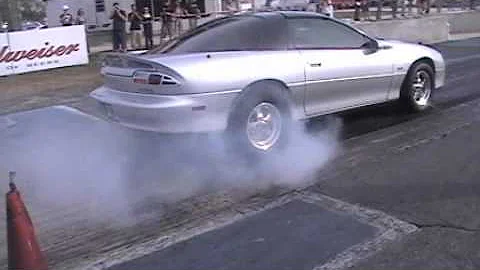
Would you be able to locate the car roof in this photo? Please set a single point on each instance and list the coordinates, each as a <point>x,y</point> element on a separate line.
<point>284,14</point>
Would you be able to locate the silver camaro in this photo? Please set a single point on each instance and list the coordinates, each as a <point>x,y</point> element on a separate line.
<point>252,74</point>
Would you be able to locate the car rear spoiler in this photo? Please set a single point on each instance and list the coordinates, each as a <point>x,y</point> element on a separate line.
<point>125,65</point>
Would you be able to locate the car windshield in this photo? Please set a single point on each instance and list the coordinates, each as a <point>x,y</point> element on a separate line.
<point>235,33</point>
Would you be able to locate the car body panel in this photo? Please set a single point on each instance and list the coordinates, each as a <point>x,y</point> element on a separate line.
<point>347,79</point>
<point>167,113</point>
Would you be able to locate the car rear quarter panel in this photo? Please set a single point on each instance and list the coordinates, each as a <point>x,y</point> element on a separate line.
<point>235,71</point>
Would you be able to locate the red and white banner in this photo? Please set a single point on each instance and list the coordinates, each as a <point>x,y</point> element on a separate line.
<point>40,49</point>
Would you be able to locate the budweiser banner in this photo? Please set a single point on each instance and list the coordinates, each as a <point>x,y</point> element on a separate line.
<point>33,50</point>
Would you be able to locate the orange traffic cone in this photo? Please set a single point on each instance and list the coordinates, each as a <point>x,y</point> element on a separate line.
<point>23,249</point>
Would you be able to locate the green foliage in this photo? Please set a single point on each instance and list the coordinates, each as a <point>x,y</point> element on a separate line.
<point>31,10</point>
<point>18,11</point>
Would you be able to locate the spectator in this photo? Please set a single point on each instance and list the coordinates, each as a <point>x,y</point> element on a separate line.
<point>148,27</point>
<point>166,30</point>
<point>194,15</point>
<point>135,20</point>
<point>179,15</point>
<point>402,6</point>
<point>394,5</point>
<point>119,18</point>
<point>427,6</point>
<point>410,5</point>
<point>423,6</point>
<point>356,13</point>
<point>329,8</point>
<point>365,10</point>
<point>66,18</point>
<point>80,20</point>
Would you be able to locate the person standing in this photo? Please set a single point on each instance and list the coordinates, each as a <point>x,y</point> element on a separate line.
<point>66,18</point>
<point>194,15</point>
<point>148,27</point>
<point>329,10</point>
<point>402,6</point>
<point>365,10</point>
<point>394,5</point>
<point>135,20</point>
<point>166,30</point>
<point>119,18</point>
<point>80,20</point>
<point>358,8</point>
<point>179,15</point>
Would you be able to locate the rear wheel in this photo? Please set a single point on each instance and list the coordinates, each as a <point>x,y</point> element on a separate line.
<point>417,88</point>
<point>259,123</point>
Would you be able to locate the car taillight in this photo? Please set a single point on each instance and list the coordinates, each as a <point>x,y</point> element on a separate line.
<point>147,78</point>
<point>142,77</point>
<point>154,79</point>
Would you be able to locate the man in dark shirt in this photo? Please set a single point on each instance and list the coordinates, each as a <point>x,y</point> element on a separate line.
<point>66,18</point>
<point>135,20</point>
<point>119,18</point>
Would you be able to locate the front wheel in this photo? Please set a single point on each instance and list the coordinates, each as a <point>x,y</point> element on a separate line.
<point>418,87</point>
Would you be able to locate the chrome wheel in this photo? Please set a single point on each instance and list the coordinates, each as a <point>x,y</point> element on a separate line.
<point>421,88</point>
<point>264,126</point>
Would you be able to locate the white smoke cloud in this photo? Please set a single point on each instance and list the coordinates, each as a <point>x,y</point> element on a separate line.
<point>66,160</point>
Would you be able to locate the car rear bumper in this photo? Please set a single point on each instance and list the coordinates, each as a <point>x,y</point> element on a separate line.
<point>167,113</point>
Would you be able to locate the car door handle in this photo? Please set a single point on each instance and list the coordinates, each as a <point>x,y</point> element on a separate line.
<point>316,64</point>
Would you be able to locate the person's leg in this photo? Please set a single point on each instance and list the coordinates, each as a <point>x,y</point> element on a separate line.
<point>133,45</point>
<point>145,34</point>
<point>169,29</point>
<point>150,37</point>
<point>123,38</point>
<point>138,38</point>
<point>190,23</point>
<point>115,41</point>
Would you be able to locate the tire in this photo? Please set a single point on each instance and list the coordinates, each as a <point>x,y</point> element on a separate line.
<point>418,87</point>
<point>260,120</point>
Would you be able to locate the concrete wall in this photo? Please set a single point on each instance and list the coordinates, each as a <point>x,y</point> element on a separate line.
<point>467,22</point>
<point>426,30</point>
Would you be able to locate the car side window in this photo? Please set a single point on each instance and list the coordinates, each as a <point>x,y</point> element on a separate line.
<point>230,35</point>
<point>322,33</point>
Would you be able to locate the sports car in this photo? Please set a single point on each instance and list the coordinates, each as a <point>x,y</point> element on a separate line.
<point>253,74</point>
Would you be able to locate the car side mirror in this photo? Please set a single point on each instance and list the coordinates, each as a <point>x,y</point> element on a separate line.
<point>371,46</point>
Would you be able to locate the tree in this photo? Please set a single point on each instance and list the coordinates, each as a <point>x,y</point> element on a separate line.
<point>18,11</point>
